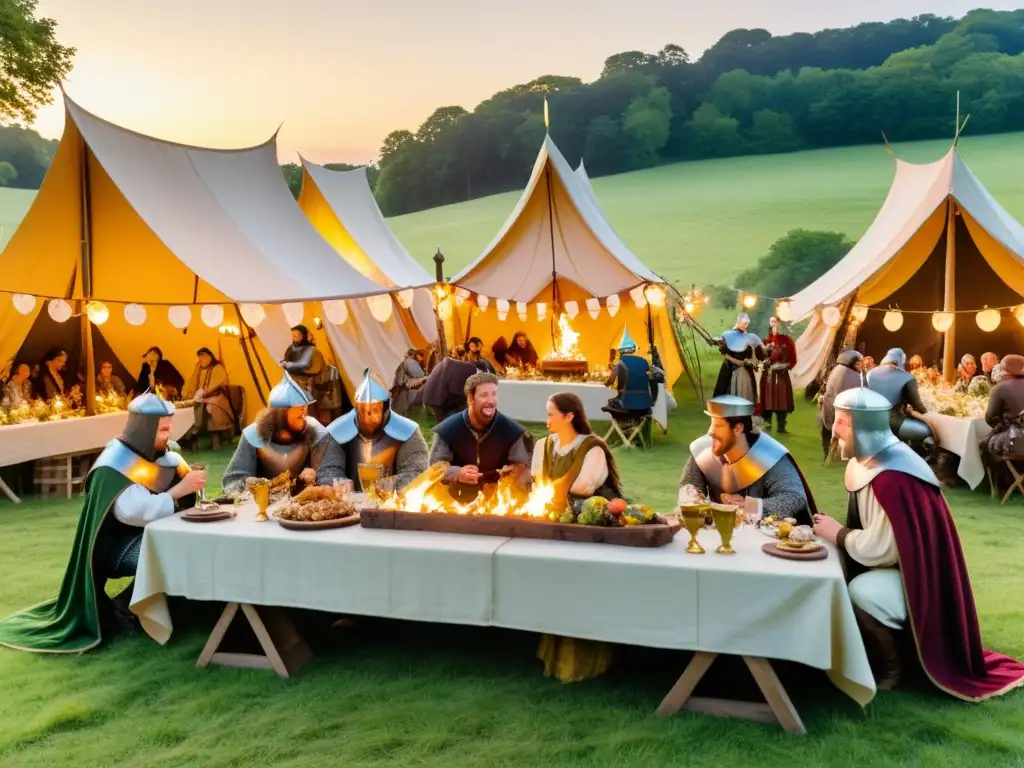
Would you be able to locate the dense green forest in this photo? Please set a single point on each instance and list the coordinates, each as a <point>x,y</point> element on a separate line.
<point>24,157</point>
<point>751,92</point>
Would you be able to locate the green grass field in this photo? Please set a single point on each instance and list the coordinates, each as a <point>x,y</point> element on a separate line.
<point>402,695</point>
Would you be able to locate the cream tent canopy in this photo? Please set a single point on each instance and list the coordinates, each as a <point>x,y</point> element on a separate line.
<point>557,247</point>
<point>341,206</point>
<point>125,218</point>
<point>940,242</point>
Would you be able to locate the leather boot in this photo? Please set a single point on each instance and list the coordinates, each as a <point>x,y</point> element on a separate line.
<point>883,650</point>
<point>124,620</point>
<point>782,423</point>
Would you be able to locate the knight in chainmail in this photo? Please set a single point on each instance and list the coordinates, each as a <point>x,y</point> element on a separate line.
<point>742,351</point>
<point>372,434</point>
<point>284,438</point>
<point>893,382</point>
<point>732,464</point>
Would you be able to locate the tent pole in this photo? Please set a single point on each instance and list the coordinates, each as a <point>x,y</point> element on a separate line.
<point>87,350</point>
<point>442,341</point>
<point>556,299</point>
<point>949,298</point>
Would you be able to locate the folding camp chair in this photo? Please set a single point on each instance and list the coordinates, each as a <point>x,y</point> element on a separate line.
<point>629,426</point>
<point>1013,464</point>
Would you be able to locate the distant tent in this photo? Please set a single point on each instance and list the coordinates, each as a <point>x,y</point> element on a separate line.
<point>341,206</point>
<point>166,224</point>
<point>901,262</point>
<point>558,246</point>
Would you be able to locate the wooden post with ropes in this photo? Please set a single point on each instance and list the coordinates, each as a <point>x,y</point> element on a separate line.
<point>86,234</point>
<point>949,297</point>
<point>442,342</point>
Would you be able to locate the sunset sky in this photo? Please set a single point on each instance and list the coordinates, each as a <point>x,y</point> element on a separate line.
<point>342,74</point>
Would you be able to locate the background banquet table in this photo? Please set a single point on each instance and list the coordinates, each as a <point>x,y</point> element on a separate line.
<point>527,400</point>
<point>961,436</point>
<point>745,604</point>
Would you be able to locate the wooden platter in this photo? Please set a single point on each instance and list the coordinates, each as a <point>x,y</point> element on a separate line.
<point>653,535</point>
<point>318,525</point>
<point>210,515</point>
<point>775,551</point>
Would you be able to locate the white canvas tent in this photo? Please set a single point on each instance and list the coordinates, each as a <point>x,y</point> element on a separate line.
<point>341,206</point>
<point>940,242</point>
<point>124,218</point>
<point>558,246</point>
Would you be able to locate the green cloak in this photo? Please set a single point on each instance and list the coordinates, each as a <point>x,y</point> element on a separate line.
<point>71,623</point>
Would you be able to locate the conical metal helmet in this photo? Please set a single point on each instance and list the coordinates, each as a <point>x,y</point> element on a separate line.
<point>150,404</point>
<point>627,344</point>
<point>869,414</point>
<point>371,389</point>
<point>288,394</point>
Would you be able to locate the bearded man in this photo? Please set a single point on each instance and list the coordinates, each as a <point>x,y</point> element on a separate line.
<point>742,350</point>
<point>284,438</point>
<point>734,465</point>
<point>372,433</point>
<point>134,482</point>
<point>480,444</point>
<point>907,575</point>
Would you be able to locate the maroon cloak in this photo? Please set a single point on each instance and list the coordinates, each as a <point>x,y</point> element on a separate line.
<point>776,386</point>
<point>940,603</point>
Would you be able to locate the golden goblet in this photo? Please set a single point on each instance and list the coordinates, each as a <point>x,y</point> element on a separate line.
<point>724,516</point>
<point>369,474</point>
<point>260,489</point>
<point>693,521</point>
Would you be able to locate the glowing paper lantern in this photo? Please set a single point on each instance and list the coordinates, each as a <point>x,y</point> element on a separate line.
<point>1018,312</point>
<point>893,320</point>
<point>612,303</point>
<point>783,310</point>
<point>572,308</point>
<point>988,319</point>
<point>336,311</point>
<point>180,316</point>
<point>252,314</point>
<point>502,306</point>
<point>293,313</point>
<point>859,313</point>
<point>482,303</point>
<point>593,307</point>
<point>380,306</point>
<point>655,296</point>
<point>405,297</point>
<point>831,316</point>
<point>23,303</point>
<point>212,315</point>
<point>503,316</point>
<point>942,321</point>
<point>461,294</point>
<point>748,300</point>
<point>637,295</point>
<point>59,310</point>
<point>542,310</point>
<point>134,314</point>
<point>97,312</point>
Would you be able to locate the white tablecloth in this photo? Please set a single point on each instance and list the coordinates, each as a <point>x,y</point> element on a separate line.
<point>42,439</point>
<point>747,603</point>
<point>528,400</point>
<point>962,437</point>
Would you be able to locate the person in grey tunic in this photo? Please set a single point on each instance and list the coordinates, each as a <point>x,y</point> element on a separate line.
<point>284,438</point>
<point>732,464</point>
<point>372,433</point>
<point>893,382</point>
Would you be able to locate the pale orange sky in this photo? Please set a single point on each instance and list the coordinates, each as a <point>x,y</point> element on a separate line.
<point>342,74</point>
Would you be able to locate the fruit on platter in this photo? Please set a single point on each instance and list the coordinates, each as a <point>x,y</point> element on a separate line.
<point>617,506</point>
<point>592,511</point>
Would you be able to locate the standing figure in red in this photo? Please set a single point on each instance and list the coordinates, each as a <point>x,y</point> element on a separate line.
<point>907,576</point>
<point>776,387</point>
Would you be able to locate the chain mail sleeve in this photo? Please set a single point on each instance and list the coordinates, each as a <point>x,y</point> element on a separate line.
<point>693,476</point>
<point>411,460</point>
<point>327,458</point>
<point>784,494</point>
<point>241,467</point>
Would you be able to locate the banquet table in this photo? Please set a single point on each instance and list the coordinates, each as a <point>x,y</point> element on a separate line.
<point>961,436</point>
<point>525,400</point>
<point>34,440</point>
<point>749,604</point>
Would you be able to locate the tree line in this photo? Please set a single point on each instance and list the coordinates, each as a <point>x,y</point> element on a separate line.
<point>750,93</point>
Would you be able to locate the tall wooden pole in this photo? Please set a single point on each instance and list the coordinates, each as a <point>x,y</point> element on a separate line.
<point>87,349</point>
<point>949,298</point>
<point>442,341</point>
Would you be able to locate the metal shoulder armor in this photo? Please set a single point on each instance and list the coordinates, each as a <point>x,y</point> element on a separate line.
<point>344,428</point>
<point>400,428</point>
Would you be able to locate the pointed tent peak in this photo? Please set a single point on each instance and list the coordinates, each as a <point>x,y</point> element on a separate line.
<point>627,344</point>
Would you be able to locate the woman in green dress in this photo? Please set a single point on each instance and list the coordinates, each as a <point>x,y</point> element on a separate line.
<point>580,465</point>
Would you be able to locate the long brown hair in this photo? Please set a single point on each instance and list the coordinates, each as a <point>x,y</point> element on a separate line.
<point>566,403</point>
